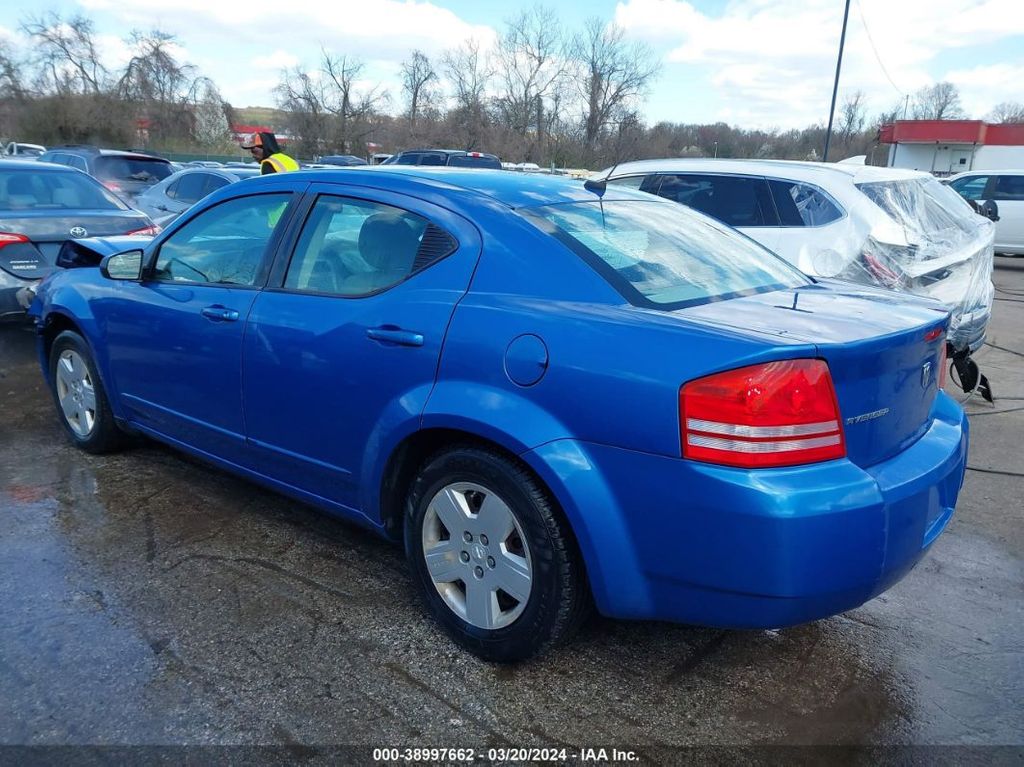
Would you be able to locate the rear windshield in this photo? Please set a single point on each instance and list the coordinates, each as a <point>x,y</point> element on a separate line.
<point>54,190</point>
<point>923,206</point>
<point>115,168</point>
<point>665,255</point>
<point>468,161</point>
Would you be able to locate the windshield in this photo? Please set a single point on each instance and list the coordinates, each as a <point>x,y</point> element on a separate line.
<point>144,169</point>
<point>664,255</point>
<point>469,161</point>
<point>50,190</point>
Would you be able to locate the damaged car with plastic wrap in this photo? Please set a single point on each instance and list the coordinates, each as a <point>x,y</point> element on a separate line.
<point>898,229</point>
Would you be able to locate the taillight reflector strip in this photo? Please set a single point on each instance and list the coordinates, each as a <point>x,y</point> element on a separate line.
<point>774,414</point>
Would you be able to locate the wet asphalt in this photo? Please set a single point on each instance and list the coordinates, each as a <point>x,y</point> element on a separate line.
<point>149,599</point>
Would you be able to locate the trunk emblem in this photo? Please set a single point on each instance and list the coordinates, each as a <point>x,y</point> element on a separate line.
<point>926,374</point>
<point>867,416</point>
<point>78,231</point>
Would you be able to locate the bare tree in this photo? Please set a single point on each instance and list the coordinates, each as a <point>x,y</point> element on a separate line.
<point>418,77</point>
<point>1007,112</point>
<point>530,57</point>
<point>852,115</point>
<point>66,54</point>
<point>469,71</point>
<point>326,108</point>
<point>612,74</point>
<point>162,87</point>
<point>938,102</point>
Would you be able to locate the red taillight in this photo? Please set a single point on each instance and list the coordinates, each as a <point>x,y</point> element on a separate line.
<point>152,229</point>
<point>10,238</point>
<point>774,414</point>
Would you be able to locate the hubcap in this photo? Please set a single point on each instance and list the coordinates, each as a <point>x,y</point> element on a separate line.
<point>477,555</point>
<point>76,393</point>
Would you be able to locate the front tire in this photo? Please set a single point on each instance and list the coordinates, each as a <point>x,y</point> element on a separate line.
<point>80,397</point>
<point>494,562</point>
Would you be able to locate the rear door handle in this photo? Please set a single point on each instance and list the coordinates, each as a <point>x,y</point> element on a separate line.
<point>389,334</point>
<point>220,314</point>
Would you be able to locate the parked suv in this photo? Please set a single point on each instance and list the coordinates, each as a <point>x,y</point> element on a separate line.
<point>450,157</point>
<point>899,229</point>
<point>128,174</point>
<point>1006,188</point>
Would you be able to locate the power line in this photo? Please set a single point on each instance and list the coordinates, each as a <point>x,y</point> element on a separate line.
<point>864,23</point>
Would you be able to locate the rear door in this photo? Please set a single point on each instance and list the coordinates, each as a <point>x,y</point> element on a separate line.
<point>175,338</point>
<point>347,343</point>
<point>1008,192</point>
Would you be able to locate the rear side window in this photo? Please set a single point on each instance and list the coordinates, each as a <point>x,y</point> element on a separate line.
<point>114,168</point>
<point>1009,188</point>
<point>923,206</point>
<point>54,190</point>
<point>803,204</point>
<point>665,256</point>
<point>733,200</point>
<point>971,188</point>
<point>355,247</point>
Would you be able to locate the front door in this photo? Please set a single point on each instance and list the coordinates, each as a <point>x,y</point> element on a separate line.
<point>1009,196</point>
<point>347,346</point>
<point>175,338</point>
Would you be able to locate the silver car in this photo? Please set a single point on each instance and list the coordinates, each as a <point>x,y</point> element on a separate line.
<point>167,200</point>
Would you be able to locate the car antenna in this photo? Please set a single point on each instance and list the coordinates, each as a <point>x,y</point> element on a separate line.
<point>598,186</point>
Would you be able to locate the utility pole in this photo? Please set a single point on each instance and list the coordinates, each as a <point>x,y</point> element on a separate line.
<point>835,86</point>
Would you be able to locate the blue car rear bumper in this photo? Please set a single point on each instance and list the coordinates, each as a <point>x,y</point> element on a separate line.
<point>677,540</point>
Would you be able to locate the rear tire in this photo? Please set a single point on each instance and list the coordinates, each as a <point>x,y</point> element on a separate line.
<point>504,578</point>
<point>80,397</point>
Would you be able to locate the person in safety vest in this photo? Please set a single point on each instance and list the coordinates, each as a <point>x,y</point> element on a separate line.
<point>267,152</point>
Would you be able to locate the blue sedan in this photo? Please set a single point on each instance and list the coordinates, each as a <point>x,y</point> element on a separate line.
<point>555,395</point>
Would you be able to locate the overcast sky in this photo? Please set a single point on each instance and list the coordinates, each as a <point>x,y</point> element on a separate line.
<point>754,63</point>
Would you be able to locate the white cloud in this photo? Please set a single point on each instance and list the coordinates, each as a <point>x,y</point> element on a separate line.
<point>983,87</point>
<point>772,61</point>
<point>276,61</point>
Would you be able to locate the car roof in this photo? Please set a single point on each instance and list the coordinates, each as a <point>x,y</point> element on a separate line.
<point>989,172</point>
<point>43,166</point>
<point>796,170</point>
<point>105,152</point>
<point>514,190</point>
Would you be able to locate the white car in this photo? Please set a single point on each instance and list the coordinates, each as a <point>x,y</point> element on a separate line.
<point>881,226</point>
<point>1006,189</point>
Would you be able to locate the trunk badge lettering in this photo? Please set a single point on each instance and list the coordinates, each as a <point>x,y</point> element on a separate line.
<point>867,416</point>
<point>78,231</point>
<point>926,374</point>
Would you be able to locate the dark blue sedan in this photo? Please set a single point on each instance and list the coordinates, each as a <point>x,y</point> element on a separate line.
<point>555,395</point>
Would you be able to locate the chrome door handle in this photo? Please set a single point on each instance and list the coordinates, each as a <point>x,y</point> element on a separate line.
<point>220,314</point>
<point>389,334</point>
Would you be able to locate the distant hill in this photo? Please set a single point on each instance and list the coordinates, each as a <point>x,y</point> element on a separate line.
<point>268,116</point>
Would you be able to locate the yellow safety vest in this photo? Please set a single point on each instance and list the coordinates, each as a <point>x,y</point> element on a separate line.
<point>281,163</point>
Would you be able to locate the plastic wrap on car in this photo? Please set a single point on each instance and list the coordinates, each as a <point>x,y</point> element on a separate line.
<point>929,243</point>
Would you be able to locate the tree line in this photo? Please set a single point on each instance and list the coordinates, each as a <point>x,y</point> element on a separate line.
<point>539,94</point>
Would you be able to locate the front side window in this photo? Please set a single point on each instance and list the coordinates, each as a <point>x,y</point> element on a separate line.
<point>629,182</point>
<point>802,204</point>
<point>354,247</point>
<point>665,256</point>
<point>971,188</point>
<point>1009,188</point>
<point>191,187</point>
<point>224,244</point>
<point>734,200</point>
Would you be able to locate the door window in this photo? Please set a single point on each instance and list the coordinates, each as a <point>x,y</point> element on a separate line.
<point>354,247</point>
<point>970,188</point>
<point>1009,188</point>
<point>190,188</point>
<point>630,182</point>
<point>734,200</point>
<point>224,244</point>
<point>803,204</point>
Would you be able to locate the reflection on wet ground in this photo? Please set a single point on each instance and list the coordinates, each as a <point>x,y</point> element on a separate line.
<point>150,599</point>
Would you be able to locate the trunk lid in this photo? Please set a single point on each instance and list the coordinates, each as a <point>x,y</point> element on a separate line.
<point>876,343</point>
<point>48,231</point>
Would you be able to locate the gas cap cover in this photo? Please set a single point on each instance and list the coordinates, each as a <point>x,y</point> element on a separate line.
<point>526,360</point>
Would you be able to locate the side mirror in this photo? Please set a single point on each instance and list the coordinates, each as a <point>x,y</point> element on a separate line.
<point>990,210</point>
<point>122,266</point>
